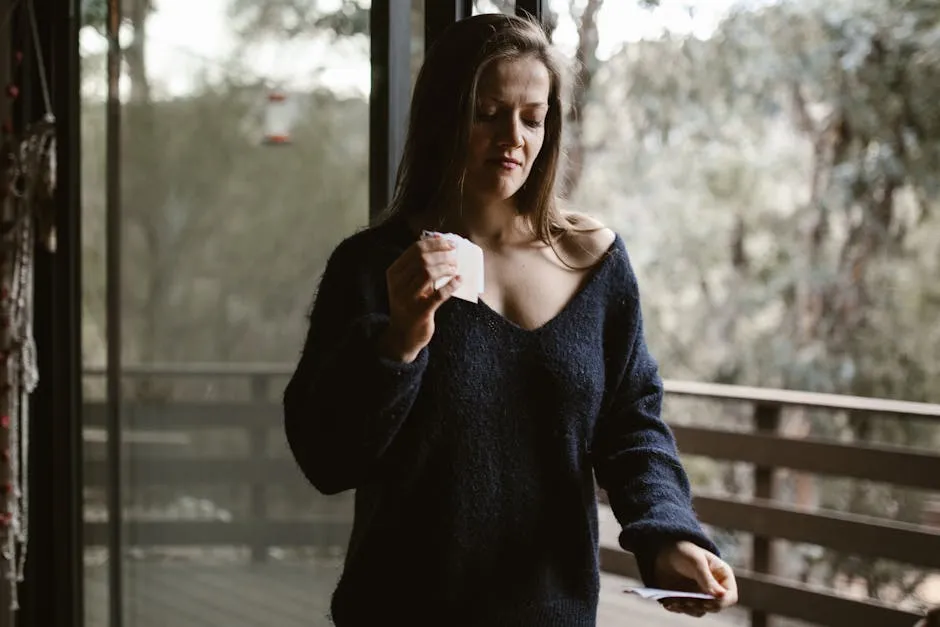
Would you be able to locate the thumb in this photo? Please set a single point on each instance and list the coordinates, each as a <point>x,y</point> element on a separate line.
<point>706,579</point>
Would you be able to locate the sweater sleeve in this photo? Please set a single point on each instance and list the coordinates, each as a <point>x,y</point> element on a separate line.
<point>634,452</point>
<point>345,402</point>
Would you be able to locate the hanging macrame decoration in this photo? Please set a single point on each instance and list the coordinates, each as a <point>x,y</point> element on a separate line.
<point>27,186</point>
<point>277,118</point>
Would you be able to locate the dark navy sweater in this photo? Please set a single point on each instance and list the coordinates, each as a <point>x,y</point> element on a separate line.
<point>474,465</point>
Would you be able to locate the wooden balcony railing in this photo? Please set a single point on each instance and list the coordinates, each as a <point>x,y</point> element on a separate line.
<point>764,516</point>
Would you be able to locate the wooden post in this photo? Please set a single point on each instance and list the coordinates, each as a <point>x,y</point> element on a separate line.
<point>766,421</point>
<point>258,439</point>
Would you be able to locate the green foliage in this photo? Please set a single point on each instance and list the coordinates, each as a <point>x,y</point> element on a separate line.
<point>94,13</point>
<point>291,18</point>
<point>780,194</point>
<point>226,240</point>
<point>818,141</point>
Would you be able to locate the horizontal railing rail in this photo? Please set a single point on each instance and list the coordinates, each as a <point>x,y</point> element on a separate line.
<point>175,426</point>
<point>715,391</point>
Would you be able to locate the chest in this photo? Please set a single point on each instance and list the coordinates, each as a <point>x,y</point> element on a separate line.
<point>487,375</point>
<point>529,288</point>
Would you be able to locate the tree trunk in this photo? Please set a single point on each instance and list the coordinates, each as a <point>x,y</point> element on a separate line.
<point>144,196</point>
<point>586,60</point>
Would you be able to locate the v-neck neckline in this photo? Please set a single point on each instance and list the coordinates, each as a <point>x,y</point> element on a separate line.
<point>571,304</point>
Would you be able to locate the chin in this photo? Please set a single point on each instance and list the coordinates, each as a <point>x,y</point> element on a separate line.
<point>498,189</point>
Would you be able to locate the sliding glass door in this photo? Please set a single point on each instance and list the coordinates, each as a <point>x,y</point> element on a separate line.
<point>236,158</point>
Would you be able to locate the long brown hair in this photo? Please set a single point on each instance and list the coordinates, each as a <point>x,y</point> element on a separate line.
<point>443,108</point>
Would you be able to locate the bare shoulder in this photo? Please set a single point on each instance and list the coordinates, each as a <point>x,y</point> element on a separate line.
<point>586,242</point>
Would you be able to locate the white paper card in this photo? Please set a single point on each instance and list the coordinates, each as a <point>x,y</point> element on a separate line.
<point>657,594</point>
<point>469,267</point>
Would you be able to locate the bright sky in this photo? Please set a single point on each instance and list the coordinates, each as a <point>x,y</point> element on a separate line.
<point>188,38</point>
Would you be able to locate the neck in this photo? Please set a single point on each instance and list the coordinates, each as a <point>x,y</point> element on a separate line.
<point>488,223</point>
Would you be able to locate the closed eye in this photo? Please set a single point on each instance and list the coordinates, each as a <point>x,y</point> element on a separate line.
<point>483,116</point>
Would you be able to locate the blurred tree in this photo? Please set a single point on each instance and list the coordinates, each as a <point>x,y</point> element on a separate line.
<point>293,18</point>
<point>264,18</point>
<point>800,142</point>
<point>210,214</point>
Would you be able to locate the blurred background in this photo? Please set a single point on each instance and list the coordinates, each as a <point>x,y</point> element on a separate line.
<point>771,165</point>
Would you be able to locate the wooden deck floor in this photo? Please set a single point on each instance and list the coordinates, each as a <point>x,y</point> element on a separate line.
<point>292,595</point>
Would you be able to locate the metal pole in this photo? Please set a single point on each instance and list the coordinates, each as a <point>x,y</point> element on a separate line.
<point>113,303</point>
<point>51,593</point>
<point>389,99</point>
<point>66,427</point>
<point>535,8</point>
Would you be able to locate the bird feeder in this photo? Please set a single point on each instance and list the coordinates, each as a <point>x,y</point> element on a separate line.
<point>277,119</point>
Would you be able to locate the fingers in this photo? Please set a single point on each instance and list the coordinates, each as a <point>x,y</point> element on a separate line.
<point>415,272</point>
<point>687,566</point>
<point>703,574</point>
<point>432,247</point>
<point>423,279</point>
<point>724,574</point>
<point>448,290</point>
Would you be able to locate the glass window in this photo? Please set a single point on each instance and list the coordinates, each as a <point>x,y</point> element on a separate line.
<point>244,162</point>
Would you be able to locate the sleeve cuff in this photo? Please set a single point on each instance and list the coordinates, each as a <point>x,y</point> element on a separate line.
<point>382,371</point>
<point>647,548</point>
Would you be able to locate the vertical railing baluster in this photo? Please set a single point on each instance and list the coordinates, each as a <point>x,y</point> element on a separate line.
<point>258,450</point>
<point>766,421</point>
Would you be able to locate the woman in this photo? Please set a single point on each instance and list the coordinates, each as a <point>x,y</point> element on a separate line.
<point>473,432</point>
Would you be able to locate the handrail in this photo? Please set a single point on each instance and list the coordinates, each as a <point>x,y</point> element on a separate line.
<point>199,369</point>
<point>764,446</point>
<point>715,391</point>
<point>794,398</point>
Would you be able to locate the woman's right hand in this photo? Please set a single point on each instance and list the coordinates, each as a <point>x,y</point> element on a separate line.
<point>412,298</point>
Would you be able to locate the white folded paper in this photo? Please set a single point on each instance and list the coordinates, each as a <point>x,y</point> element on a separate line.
<point>469,267</point>
<point>658,594</point>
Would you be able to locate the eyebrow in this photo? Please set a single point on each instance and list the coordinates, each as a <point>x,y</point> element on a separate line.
<point>503,102</point>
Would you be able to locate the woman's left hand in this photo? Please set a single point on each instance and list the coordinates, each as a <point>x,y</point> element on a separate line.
<point>688,567</point>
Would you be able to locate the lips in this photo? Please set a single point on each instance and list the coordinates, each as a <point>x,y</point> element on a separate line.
<point>507,162</point>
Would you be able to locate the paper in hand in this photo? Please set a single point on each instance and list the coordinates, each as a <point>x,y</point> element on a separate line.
<point>658,594</point>
<point>469,267</point>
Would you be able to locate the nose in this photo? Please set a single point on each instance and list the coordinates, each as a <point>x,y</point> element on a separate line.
<point>510,131</point>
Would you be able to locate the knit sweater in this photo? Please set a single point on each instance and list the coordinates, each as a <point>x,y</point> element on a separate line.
<point>475,465</point>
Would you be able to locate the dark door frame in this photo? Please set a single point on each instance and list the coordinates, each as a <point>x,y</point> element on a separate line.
<point>51,594</point>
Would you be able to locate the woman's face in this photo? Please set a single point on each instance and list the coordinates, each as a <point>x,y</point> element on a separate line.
<point>509,128</point>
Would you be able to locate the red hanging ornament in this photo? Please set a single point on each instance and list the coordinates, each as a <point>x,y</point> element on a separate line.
<point>277,119</point>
